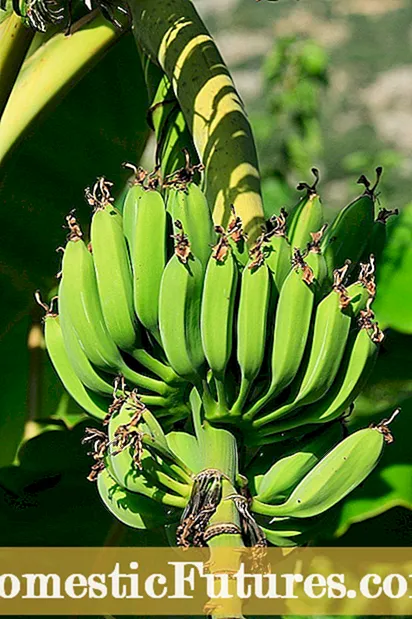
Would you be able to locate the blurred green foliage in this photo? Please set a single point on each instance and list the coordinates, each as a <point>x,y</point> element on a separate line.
<point>288,130</point>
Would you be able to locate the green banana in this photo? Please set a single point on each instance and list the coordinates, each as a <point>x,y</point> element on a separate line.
<point>218,299</point>
<point>189,206</point>
<point>348,234</point>
<point>80,304</point>
<point>355,369</point>
<point>237,239</point>
<point>360,361</point>
<point>131,464</point>
<point>179,310</point>
<point>93,404</point>
<point>113,272</point>
<point>335,476</point>
<point>331,331</point>
<point>377,240</point>
<point>277,250</point>
<point>131,204</point>
<point>148,257</point>
<point>79,361</point>
<point>251,326</point>
<point>284,475</point>
<point>332,324</point>
<point>307,218</point>
<point>134,510</point>
<point>288,532</point>
<point>292,324</point>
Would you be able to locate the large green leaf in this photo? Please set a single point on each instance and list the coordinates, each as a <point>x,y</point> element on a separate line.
<point>96,127</point>
<point>47,501</point>
<point>393,305</point>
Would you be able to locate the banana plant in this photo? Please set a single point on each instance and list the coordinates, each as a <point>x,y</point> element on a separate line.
<point>218,354</point>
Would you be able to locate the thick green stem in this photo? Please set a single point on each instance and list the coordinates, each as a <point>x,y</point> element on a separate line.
<point>173,35</point>
<point>167,120</point>
<point>50,72</point>
<point>162,370</point>
<point>219,449</point>
<point>15,39</point>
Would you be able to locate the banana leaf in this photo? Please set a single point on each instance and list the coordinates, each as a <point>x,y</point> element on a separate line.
<point>98,125</point>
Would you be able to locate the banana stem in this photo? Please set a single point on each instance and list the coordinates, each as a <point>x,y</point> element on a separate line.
<point>154,365</point>
<point>144,382</point>
<point>153,400</point>
<point>245,386</point>
<point>51,71</point>
<point>208,401</point>
<point>172,133</point>
<point>169,499</point>
<point>219,450</point>
<point>257,406</point>
<point>168,482</point>
<point>221,394</point>
<point>15,39</point>
<point>174,36</point>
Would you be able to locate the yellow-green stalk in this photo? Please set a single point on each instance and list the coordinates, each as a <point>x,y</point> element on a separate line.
<point>55,67</point>
<point>221,452</point>
<point>15,39</point>
<point>174,36</point>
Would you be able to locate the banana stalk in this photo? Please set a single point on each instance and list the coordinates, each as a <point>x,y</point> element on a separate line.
<point>50,71</point>
<point>15,39</point>
<point>220,452</point>
<point>174,36</point>
<point>167,120</point>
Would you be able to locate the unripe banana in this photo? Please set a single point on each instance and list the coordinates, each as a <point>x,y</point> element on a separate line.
<point>292,325</point>
<point>113,272</point>
<point>331,331</point>
<point>348,234</point>
<point>332,323</point>
<point>79,361</point>
<point>189,206</point>
<point>179,310</point>
<point>335,476</point>
<point>251,326</point>
<point>148,256</point>
<point>131,204</point>
<point>355,369</point>
<point>290,469</point>
<point>377,240</point>
<point>80,304</point>
<point>92,403</point>
<point>277,249</point>
<point>288,532</point>
<point>134,510</point>
<point>361,360</point>
<point>131,464</point>
<point>218,299</point>
<point>237,239</point>
<point>308,216</point>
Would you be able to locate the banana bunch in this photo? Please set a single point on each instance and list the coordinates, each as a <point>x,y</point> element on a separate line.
<point>289,334</point>
<point>274,341</point>
<point>293,495</point>
<point>147,478</point>
<point>107,324</point>
<point>278,338</point>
